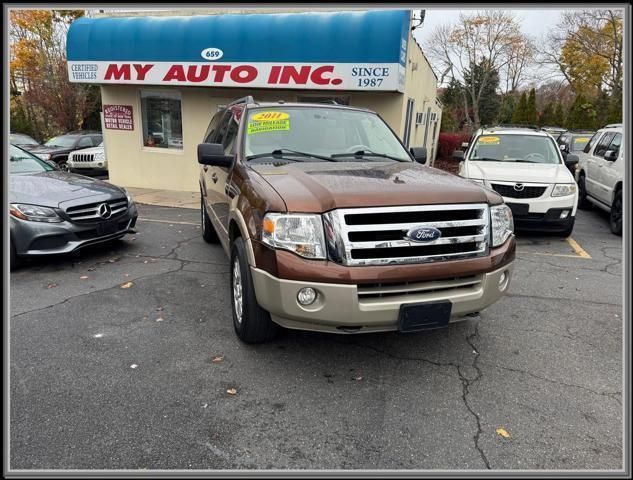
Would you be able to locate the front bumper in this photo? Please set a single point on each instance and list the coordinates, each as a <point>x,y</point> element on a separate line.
<point>348,308</point>
<point>37,238</point>
<point>84,167</point>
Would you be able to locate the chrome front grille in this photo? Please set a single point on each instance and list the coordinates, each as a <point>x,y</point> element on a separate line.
<point>90,212</point>
<point>377,236</point>
<point>82,157</point>
<point>524,191</point>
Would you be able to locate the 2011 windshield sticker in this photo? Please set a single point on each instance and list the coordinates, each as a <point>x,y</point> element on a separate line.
<point>489,140</point>
<point>270,116</point>
<point>268,126</point>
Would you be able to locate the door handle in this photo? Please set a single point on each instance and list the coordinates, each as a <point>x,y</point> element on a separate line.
<point>214,177</point>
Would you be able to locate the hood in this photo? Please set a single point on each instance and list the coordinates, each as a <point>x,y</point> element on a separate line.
<point>45,149</point>
<point>91,150</point>
<point>322,186</point>
<point>520,172</point>
<point>49,189</point>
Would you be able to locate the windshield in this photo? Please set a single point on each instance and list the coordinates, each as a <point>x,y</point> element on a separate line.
<point>19,139</point>
<point>327,132</point>
<point>24,162</point>
<point>579,143</point>
<point>515,148</point>
<point>63,141</point>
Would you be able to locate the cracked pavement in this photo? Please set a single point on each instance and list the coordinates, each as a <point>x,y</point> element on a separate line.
<point>544,363</point>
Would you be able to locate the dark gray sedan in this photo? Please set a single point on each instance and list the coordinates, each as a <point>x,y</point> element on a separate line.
<point>54,212</point>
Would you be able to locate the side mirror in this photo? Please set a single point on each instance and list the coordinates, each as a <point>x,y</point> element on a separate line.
<point>571,160</point>
<point>213,154</point>
<point>419,153</point>
<point>458,155</point>
<point>562,147</point>
<point>611,155</point>
<point>465,145</point>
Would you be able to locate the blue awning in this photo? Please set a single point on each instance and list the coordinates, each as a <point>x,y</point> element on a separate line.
<point>342,37</point>
<point>350,50</point>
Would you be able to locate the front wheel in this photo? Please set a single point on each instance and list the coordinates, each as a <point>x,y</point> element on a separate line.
<point>615,219</point>
<point>583,203</point>
<point>251,322</point>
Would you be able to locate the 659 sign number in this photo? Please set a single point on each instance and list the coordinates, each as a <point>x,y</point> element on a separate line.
<point>212,53</point>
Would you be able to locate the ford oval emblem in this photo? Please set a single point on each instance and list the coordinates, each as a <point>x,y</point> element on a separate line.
<point>423,234</point>
<point>212,54</point>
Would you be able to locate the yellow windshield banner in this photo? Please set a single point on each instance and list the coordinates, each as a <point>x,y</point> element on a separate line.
<point>489,140</point>
<point>268,126</point>
<point>270,116</point>
<point>581,140</point>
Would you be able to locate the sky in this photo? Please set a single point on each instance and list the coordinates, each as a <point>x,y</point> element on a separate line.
<point>534,22</point>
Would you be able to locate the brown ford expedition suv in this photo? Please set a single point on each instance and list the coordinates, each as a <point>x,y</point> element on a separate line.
<point>332,225</point>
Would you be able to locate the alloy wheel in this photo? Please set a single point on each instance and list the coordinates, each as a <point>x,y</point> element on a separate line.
<point>237,290</point>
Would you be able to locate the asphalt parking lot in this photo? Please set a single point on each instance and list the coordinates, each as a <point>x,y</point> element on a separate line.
<point>105,377</point>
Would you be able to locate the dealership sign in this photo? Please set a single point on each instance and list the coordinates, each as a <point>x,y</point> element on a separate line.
<point>339,76</point>
<point>325,51</point>
<point>118,117</point>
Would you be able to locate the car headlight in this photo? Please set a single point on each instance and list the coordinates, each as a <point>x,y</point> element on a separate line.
<point>562,189</point>
<point>501,223</point>
<point>34,213</point>
<point>130,200</point>
<point>296,232</point>
<point>99,156</point>
<point>478,181</point>
<point>44,156</point>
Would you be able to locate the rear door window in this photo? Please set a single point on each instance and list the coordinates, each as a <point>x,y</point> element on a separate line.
<point>604,142</point>
<point>84,142</point>
<point>592,142</point>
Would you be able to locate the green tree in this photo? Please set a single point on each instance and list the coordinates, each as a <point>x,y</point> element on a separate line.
<point>448,121</point>
<point>530,115</point>
<point>582,115</point>
<point>546,118</point>
<point>558,119</point>
<point>485,81</point>
<point>520,113</point>
<point>508,105</point>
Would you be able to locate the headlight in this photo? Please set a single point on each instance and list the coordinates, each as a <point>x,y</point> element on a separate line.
<point>299,233</point>
<point>562,189</point>
<point>478,181</point>
<point>99,156</point>
<point>44,156</point>
<point>501,223</point>
<point>34,213</point>
<point>130,200</point>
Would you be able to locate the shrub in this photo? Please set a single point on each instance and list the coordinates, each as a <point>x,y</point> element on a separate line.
<point>449,142</point>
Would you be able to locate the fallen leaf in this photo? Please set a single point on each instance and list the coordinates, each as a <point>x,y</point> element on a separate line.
<point>83,277</point>
<point>205,405</point>
<point>159,319</point>
<point>145,261</point>
<point>126,274</point>
<point>159,309</point>
<point>231,391</point>
<point>127,285</point>
<point>358,378</point>
<point>502,431</point>
<point>217,359</point>
<point>134,365</point>
<point>53,285</point>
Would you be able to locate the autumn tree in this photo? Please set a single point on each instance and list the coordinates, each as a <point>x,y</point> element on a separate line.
<point>492,39</point>
<point>42,97</point>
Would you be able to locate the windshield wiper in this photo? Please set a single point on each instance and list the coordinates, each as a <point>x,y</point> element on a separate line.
<point>281,151</point>
<point>363,154</point>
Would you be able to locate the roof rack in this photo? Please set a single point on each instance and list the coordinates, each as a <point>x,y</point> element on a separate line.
<point>248,99</point>
<point>613,125</point>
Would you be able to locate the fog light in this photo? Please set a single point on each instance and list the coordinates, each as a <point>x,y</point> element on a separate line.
<point>306,296</point>
<point>564,214</point>
<point>503,281</point>
<point>100,164</point>
<point>502,278</point>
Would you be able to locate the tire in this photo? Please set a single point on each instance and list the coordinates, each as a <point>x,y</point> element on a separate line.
<point>15,261</point>
<point>566,233</point>
<point>615,218</point>
<point>583,203</point>
<point>208,232</point>
<point>252,324</point>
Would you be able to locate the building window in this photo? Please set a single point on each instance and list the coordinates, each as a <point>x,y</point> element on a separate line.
<point>408,120</point>
<point>162,119</point>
